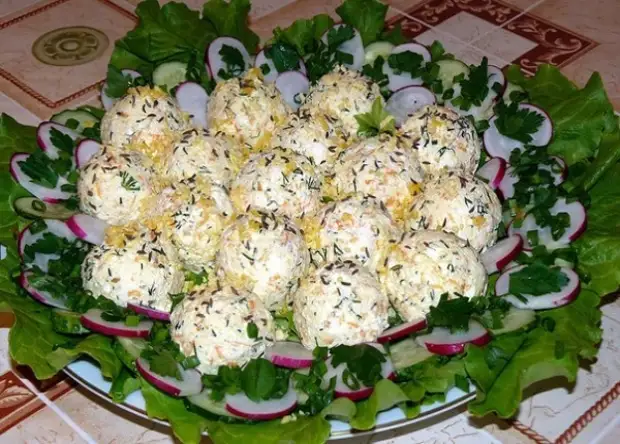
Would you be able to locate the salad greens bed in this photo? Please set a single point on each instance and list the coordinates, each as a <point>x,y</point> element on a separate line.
<point>586,136</point>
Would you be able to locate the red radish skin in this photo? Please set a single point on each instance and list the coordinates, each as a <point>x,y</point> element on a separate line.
<point>493,171</point>
<point>240,405</point>
<point>157,315</point>
<point>290,355</point>
<point>88,228</point>
<point>502,253</point>
<point>93,321</point>
<point>41,296</point>
<point>190,384</point>
<point>455,349</point>
<point>442,341</point>
<point>400,331</point>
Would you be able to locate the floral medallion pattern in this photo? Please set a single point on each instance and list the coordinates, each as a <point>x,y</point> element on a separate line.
<point>74,45</point>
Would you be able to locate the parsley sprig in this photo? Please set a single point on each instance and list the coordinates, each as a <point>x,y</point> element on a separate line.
<point>129,182</point>
<point>456,313</point>
<point>234,61</point>
<point>363,364</point>
<point>327,55</point>
<point>537,279</point>
<point>474,87</point>
<point>517,123</point>
<point>377,121</point>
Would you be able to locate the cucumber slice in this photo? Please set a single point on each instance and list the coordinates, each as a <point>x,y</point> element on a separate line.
<point>510,88</point>
<point>71,118</point>
<point>407,353</point>
<point>204,401</point>
<point>516,319</point>
<point>376,49</point>
<point>169,74</point>
<point>128,350</point>
<point>67,322</point>
<point>34,208</point>
<point>448,70</point>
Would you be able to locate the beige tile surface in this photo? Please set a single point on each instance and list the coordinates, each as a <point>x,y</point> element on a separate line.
<point>9,6</point>
<point>18,112</point>
<point>466,26</point>
<point>504,44</point>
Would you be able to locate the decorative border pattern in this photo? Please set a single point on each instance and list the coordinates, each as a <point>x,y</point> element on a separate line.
<point>30,91</point>
<point>530,433</point>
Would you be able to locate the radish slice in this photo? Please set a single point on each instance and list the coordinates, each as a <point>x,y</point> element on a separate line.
<point>240,405</point>
<point>443,342</point>
<point>578,221</point>
<point>342,390</point>
<point>214,60</point>
<point>500,254</point>
<point>49,195</point>
<point>189,385</point>
<point>158,315</point>
<point>353,46</point>
<point>496,75</point>
<point>44,137</point>
<point>506,188</point>
<point>402,330</point>
<point>26,237</point>
<point>262,59</point>
<point>93,321</point>
<point>108,101</point>
<point>399,81</point>
<point>543,302</point>
<point>289,354</point>
<point>42,296</point>
<point>292,85</point>
<point>87,228</point>
<point>85,150</point>
<point>558,171</point>
<point>406,101</point>
<point>492,172</point>
<point>544,134</point>
<point>193,99</point>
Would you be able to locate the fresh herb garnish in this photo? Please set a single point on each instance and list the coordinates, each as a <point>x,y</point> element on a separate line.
<point>377,121</point>
<point>517,123</point>
<point>176,298</point>
<point>129,182</point>
<point>312,384</point>
<point>163,361</point>
<point>363,363</point>
<point>260,379</point>
<point>252,330</point>
<point>233,59</point>
<point>227,381</point>
<point>39,169</point>
<point>407,62</point>
<point>190,362</point>
<point>327,56</point>
<point>456,313</point>
<point>474,88</point>
<point>375,73</point>
<point>284,57</point>
<point>117,82</point>
<point>537,279</point>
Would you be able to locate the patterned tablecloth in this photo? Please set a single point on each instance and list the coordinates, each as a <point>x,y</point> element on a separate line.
<point>54,56</point>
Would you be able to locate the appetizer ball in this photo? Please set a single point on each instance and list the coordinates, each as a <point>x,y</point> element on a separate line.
<point>381,167</point>
<point>355,229</point>
<point>443,139</point>
<point>136,265</point>
<point>197,225</point>
<point>426,264</point>
<point>146,119</point>
<point>265,254</point>
<point>212,323</point>
<point>340,303</point>
<point>202,154</point>
<point>247,109</point>
<point>459,204</point>
<point>116,186</point>
<point>342,94</point>
<point>317,137</point>
<point>278,181</point>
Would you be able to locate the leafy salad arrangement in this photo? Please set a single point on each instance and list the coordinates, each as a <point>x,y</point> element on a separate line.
<point>529,340</point>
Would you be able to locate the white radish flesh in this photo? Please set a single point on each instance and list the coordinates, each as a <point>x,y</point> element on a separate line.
<point>87,228</point>
<point>189,384</point>
<point>506,188</point>
<point>158,315</point>
<point>398,81</point>
<point>492,172</point>
<point>289,354</point>
<point>214,60</point>
<point>496,75</point>
<point>26,237</point>
<point>44,137</point>
<point>402,330</point>
<point>354,46</point>
<point>193,100</point>
<point>85,150</point>
<point>272,74</point>
<point>499,255</point>
<point>406,101</point>
<point>240,405</point>
<point>292,85</point>
<point>442,341</point>
<point>49,195</point>
<point>42,296</point>
<point>93,321</point>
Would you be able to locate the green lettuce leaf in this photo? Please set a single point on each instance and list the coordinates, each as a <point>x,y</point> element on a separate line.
<point>385,396</point>
<point>95,346</point>
<point>230,18</point>
<point>124,385</point>
<point>434,374</point>
<point>304,34</point>
<point>367,16</point>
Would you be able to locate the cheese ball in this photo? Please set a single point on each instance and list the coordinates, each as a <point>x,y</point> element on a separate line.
<point>146,119</point>
<point>443,139</point>
<point>116,186</point>
<point>134,265</point>
<point>317,137</point>
<point>212,324</point>
<point>278,181</point>
<point>203,154</point>
<point>342,94</point>
<point>197,226</point>
<point>247,109</point>
<point>355,229</point>
<point>265,254</point>
<point>381,167</point>
<point>459,204</point>
<point>426,264</point>
<point>340,303</point>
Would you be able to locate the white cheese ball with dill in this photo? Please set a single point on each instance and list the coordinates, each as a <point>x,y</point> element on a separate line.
<point>197,226</point>
<point>146,118</point>
<point>200,153</point>
<point>278,181</point>
<point>381,167</point>
<point>340,303</point>
<point>247,108</point>
<point>212,323</point>
<point>459,204</point>
<point>317,137</point>
<point>443,139</point>
<point>141,267</point>
<point>265,254</point>
<point>426,264</point>
<point>342,94</point>
<point>116,186</point>
<point>355,229</point>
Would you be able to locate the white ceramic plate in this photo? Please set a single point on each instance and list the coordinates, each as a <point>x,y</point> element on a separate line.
<point>89,376</point>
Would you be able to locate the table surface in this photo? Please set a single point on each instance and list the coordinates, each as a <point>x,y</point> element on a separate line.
<point>578,37</point>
